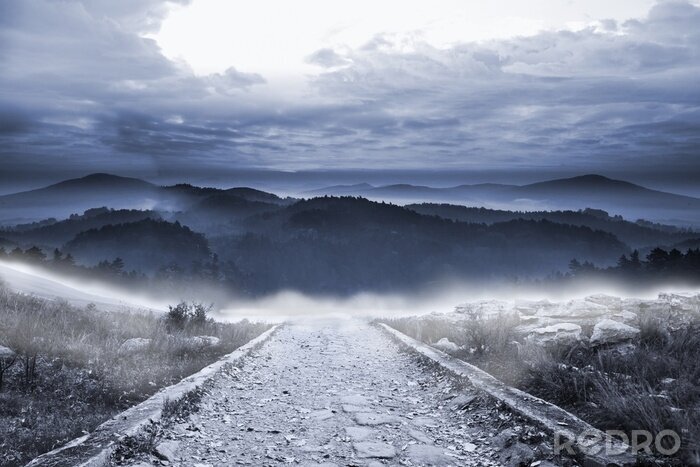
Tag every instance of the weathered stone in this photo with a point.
(580, 309)
(354, 399)
(446, 345)
(556, 334)
(167, 450)
(685, 302)
(358, 433)
(462, 402)
(608, 301)
(517, 454)
(348, 408)
(369, 449)
(373, 419)
(626, 316)
(424, 454)
(504, 439)
(609, 331)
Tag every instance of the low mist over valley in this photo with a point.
(247, 242)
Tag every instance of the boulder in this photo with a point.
(608, 301)
(682, 301)
(446, 345)
(531, 307)
(556, 334)
(609, 331)
(579, 309)
(626, 317)
(134, 345)
(167, 450)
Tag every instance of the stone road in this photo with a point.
(332, 393)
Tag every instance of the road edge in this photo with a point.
(96, 448)
(552, 418)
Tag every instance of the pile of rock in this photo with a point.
(596, 320)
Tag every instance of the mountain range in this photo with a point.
(586, 191)
(256, 242)
(72, 196)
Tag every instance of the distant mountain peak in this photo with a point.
(101, 178)
(583, 181)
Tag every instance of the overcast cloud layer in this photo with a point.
(80, 87)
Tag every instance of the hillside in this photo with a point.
(145, 245)
(345, 245)
(55, 234)
(77, 195)
(586, 191)
(636, 235)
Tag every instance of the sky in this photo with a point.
(171, 89)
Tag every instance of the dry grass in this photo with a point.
(654, 385)
(70, 376)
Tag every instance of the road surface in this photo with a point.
(334, 393)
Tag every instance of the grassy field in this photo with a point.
(652, 384)
(72, 372)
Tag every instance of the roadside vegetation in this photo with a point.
(651, 382)
(64, 370)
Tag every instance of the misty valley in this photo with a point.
(247, 242)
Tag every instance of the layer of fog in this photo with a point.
(295, 306)
(292, 306)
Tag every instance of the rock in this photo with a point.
(424, 454)
(469, 447)
(544, 463)
(581, 309)
(134, 345)
(167, 450)
(609, 331)
(626, 316)
(684, 302)
(373, 419)
(320, 415)
(419, 436)
(369, 449)
(446, 345)
(358, 433)
(462, 402)
(531, 307)
(6, 352)
(504, 439)
(347, 408)
(354, 399)
(517, 454)
(608, 301)
(556, 334)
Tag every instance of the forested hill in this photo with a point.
(636, 234)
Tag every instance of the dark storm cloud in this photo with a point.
(80, 86)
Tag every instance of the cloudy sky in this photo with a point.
(210, 86)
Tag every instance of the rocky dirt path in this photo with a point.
(334, 393)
